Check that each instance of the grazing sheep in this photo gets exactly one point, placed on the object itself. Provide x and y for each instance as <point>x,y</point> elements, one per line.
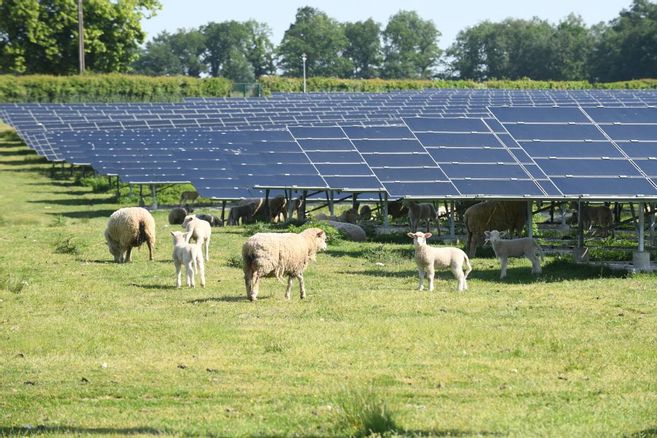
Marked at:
<point>127,228</point>
<point>189,196</point>
<point>418,212</point>
<point>365,213</point>
<point>278,207</point>
<point>600,216</point>
<point>200,231</point>
<point>489,215</point>
<point>245,211</point>
<point>280,254</point>
<point>189,255</point>
<point>349,216</point>
<point>214,221</point>
<point>524,247</point>
<point>429,258</point>
<point>397,209</point>
<point>177,215</point>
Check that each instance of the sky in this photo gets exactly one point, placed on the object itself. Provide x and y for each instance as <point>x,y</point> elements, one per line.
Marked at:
<point>449,17</point>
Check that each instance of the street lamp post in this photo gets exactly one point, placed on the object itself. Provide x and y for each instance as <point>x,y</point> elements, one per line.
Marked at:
<point>303,58</point>
<point>81,36</point>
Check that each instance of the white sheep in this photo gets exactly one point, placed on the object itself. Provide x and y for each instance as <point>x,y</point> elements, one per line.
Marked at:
<point>189,255</point>
<point>418,212</point>
<point>200,231</point>
<point>429,258</point>
<point>524,247</point>
<point>127,228</point>
<point>280,254</point>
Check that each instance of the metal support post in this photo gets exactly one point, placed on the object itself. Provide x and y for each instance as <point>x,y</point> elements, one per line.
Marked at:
<point>652,224</point>
<point>330,202</point>
<point>301,212</point>
<point>385,211</point>
<point>580,225</point>
<point>452,226</point>
<point>530,217</point>
<point>642,223</point>
<point>223,211</point>
<point>266,206</point>
<point>153,197</point>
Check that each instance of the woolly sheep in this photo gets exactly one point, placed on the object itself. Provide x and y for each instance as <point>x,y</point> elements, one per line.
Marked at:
<point>349,216</point>
<point>128,228</point>
<point>600,216</point>
<point>245,210</point>
<point>200,231</point>
<point>365,213</point>
<point>524,247</point>
<point>177,215</point>
<point>188,196</point>
<point>418,212</point>
<point>429,258</point>
<point>189,255</point>
<point>397,209</point>
<point>489,215</point>
<point>278,255</point>
<point>214,221</point>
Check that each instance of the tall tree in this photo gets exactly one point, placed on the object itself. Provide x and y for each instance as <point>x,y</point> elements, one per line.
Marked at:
<point>323,41</point>
<point>173,54</point>
<point>226,52</point>
<point>259,49</point>
<point>627,48</point>
<point>40,36</point>
<point>410,46</point>
<point>364,48</point>
<point>570,46</point>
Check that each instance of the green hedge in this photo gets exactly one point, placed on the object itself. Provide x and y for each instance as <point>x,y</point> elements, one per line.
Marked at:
<point>108,88</point>
<point>275,84</point>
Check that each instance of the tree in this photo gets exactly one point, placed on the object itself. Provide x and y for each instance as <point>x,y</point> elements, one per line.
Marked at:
<point>41,36</point>
<point>410,46</point>
<point>364,48</point>
<point>627,48</point>
<point>323,41</point>
<point>570,46</point>
<point>173,54</point>
<point>260,50</point>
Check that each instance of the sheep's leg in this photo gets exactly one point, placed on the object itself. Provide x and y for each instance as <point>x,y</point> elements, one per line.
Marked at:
<point>536,265</point>
<point>420,273</point>
<point>255,283</point>
<point>302,286</point>
<point>207,249</point>
<point>189,268</point>
<point>288,291</point>
<point>150,249</point>
<point>128,255</point>
<point>201,270</point>
<point>178,273</point>
<point>503,262</point>
<point>428,221</point>
<point>460,276</point>
<point>431,272</point>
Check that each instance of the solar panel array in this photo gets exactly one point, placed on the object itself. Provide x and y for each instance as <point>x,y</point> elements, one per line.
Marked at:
<point>538,144</point>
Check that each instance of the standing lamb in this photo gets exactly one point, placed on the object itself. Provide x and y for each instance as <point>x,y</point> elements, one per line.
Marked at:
<point>490,215</point>
<point>429,258</point>
<point>189,255</point>
<point>600,216</point>
<point>128,228</point>
<point>418,212</point>
<point>189,196</point>
<point>200,231</point>
<point>525,247</point>
<point>280,254</point>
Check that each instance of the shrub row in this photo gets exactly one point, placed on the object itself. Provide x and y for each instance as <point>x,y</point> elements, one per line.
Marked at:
<point>108,88</point>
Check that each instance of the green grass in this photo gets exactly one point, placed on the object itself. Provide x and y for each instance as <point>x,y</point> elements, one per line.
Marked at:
<point>91,347</point>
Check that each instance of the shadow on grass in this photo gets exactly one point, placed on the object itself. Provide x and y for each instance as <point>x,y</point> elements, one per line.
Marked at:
<point>171,286</point>
<point>72,430</point>
<point>228,299</point>
<point>14,153</point>
<point>86,214</point>
<point>73,201</point>
<point>645,433</point>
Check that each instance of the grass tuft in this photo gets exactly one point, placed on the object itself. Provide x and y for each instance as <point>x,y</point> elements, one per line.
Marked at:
<point>362,413</point>
<point>234,261</point>
<point>68,245</point>
<point>12,283</point>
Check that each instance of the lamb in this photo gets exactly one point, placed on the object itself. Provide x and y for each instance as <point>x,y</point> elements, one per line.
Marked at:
<point>189,255</point>
<point>489,215</point>
<point>418,212</point>
<point>200,231</point>
<point>245,210</point>
<point>429,258</point>
<point>177,215</point>
<point>127,228</point>
<point>188,196</point>
<point>524,247</point>
<point>214,221</point>
<point>280,254</point>
<point>601,216</point>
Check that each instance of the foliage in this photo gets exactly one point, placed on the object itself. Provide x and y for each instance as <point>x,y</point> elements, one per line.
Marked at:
<point>364,48</point>
<point>362,413</point>
<point>97,183</point>
<point>42,36</point>
<point>173,54</point>
<point>68,244</point>
<point>410,47</point>
<point>107,88</point>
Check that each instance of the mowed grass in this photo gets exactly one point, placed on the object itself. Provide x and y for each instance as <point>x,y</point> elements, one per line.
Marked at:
<point>91,347</point>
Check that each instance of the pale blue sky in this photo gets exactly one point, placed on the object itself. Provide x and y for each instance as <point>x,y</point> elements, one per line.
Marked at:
<point>449,17</point>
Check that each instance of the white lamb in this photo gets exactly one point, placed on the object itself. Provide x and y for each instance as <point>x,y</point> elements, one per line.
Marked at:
<point>188,255</point>
<point>200,231</point>
<point>524,247</point>
<point>429,258</point>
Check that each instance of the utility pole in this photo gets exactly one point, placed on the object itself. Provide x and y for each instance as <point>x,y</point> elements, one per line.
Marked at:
<point>81,36</point>
<point>303,59</point>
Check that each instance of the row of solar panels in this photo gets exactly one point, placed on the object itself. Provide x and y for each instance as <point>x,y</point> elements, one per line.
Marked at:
<point>539,152</point>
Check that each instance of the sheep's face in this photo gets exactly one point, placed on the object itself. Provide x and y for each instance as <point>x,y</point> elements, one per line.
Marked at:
<point>188,219</point>
<point>493,236</point>
<point>178,237</point>
<point>419,238</point>
<point>321,240</point>
<point>115,250</point>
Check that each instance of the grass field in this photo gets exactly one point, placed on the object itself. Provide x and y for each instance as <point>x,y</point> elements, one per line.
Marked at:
<point>90,347</point>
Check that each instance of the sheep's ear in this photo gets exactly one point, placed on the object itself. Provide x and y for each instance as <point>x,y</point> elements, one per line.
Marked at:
<point>172,233</point>
<point>320,233</point>
<point>411,235</point>
<point>487,233</point>
<point>427,235</point>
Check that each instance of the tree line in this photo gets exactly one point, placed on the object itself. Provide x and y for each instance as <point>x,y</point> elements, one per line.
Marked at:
<point>40,36</point>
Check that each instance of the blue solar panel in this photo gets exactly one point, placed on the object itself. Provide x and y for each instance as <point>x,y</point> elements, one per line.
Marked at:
<point>554,132</point>
<point>568,149</point>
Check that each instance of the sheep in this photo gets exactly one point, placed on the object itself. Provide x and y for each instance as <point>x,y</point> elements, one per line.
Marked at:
<point>177,215</point>
<point>365,213</point>
<point>278,207</point>
<point>429,258</point>
<point>350,216</point>
<point>397,209</point>
<point>127,228</point>
<point>189,255</point>
<point>188,196</point>
<point>489,215</point>
<point>418,212</point>
<point>214,221</point>
<point>200,231</point>
<point>280,254</point>
<point>601,216</point>
<point>244,210</point>
<point>524,247</point>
